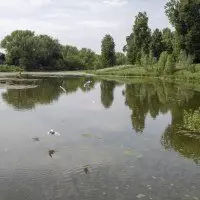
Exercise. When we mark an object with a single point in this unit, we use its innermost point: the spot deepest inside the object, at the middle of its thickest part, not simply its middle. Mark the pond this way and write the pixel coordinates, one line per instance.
(116, 141)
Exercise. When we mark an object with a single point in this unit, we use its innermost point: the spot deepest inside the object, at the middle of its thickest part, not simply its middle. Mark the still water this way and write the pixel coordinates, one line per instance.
(117, 141)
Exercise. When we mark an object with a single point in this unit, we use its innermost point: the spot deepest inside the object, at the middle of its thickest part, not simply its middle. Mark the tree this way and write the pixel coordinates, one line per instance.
(120, 58)
(20, 48)
(88, 58)
(139, 40)
(71, 58)
(29, 51)
(185, 18)
(162, 61)
(156, 43)
(2, 58)
(48, 51)
(108, 58)
(170, 64)
(167, 40)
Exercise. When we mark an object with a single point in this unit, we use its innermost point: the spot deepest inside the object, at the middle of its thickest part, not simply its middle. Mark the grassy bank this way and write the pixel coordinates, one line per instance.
(133, 71)
(7, 68)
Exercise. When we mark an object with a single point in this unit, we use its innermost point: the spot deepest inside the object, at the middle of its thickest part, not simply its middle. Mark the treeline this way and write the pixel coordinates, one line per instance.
(42, 52)
(161, 50)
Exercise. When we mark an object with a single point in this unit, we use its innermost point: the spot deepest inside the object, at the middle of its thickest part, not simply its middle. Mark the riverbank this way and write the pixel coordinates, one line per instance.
(130, 71)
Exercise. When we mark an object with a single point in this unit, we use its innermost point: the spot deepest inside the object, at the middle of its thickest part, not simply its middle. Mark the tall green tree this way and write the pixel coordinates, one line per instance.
(185, 18)
(139, 40)
(108, 58)
(156, 43)
(167, 40)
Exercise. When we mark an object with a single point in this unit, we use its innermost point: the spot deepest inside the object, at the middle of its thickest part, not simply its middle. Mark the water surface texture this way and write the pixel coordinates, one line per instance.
(117, 141)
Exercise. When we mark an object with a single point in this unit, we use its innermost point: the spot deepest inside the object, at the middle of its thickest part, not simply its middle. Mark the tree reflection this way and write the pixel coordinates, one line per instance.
(107, 92)
(159, 97)
(47, 92)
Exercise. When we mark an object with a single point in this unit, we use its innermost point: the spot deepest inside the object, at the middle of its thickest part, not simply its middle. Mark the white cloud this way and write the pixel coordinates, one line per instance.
(115, 2)
(79, 22)
(99, 24)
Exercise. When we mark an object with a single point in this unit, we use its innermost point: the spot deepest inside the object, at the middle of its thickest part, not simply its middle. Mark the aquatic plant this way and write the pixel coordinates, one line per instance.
(191, 120)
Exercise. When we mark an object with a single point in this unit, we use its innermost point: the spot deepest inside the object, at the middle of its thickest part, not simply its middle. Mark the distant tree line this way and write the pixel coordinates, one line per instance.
(164, 49)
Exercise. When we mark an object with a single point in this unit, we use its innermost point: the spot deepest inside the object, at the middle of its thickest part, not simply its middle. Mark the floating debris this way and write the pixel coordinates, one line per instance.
(63, 89)
(86, 170)
(130, 152)
(51, 153)
(139, 196)
(87, 135)
(36, 139)
(52, 132)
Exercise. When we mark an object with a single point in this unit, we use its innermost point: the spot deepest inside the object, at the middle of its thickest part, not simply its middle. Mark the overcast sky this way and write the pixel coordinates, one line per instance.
(82, 23)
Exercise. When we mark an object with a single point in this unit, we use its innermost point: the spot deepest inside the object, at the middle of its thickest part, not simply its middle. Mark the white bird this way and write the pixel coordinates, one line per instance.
(52, 132)
(87, 83)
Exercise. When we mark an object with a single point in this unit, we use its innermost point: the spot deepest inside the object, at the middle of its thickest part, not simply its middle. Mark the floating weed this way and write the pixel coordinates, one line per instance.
(87, 135)
(131, 152)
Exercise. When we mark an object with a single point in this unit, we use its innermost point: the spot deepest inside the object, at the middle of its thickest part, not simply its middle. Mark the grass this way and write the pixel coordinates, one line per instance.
(7, 68)
(135, 71)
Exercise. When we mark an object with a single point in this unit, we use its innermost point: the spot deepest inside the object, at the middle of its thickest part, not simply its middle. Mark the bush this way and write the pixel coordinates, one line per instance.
(7, 68)
(162, 61)
(185, 61)
(170, 64)
(144, 60)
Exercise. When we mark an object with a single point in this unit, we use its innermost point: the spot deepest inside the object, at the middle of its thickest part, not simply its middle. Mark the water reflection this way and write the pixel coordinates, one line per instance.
(142, 99)
(47, 91)
(107, 93)
(108, 149)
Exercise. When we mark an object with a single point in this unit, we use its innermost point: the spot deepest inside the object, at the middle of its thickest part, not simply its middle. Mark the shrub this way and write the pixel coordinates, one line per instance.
(162, 61)
(7, 68)
(170, 64)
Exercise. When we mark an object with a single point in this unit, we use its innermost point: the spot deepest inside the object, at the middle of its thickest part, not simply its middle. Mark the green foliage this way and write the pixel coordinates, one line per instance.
(108, 58)
(144, 60)
(41, 52)
(191, 120)
(162, 61)
(185, 18)
(156, 45)
(185, 61)
(6, 68)
(167, 40)
(88, 57)
(120, 58)
(170, 64)
(139, 40)
(25, 49)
